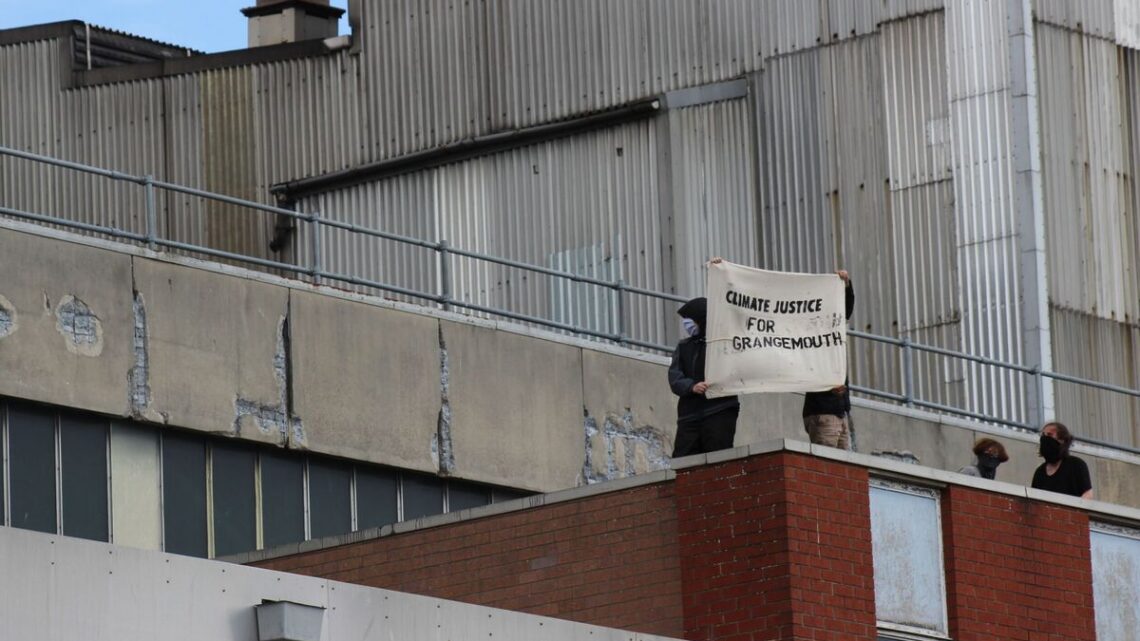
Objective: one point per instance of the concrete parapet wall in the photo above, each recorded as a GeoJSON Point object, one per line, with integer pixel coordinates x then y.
{"type": "Point", "coordinates": [117, 330]}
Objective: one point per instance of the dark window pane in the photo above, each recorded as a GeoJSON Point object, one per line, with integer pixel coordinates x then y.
{"type": "Point", "coordinates": [235, 527]}
{"type": "Point", "coordinates": [31, 462]}
{"type": "Point", "coordinates": [330, 502]}
{"type": "Point", "coordinates": [184, 494]}
{"type": "Point", "coordinates": [423, 496]}
{"type": "Point", "coordinates": [375, 498]}
{"type": "Point", "coordinates": [83, 468]}
{"type": "Point", "coordinates": [461, 496]}
{"type": "Point", "coordinates": [500, 495]}
{"type": "Point", "coordinates": [282, 499]}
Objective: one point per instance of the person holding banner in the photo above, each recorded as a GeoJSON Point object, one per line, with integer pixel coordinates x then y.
{"type": "Point", "coordinates": [827, 414]}
{"type": "Point", "coordinates": [703, 424]}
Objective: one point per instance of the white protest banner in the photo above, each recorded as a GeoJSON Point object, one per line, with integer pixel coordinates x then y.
{"type": "Point", "coordinates": [773, 331]}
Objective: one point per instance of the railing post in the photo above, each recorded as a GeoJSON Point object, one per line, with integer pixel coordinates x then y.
{"type": "Point", "coordinates": [908, 372]}
{"type": "Point", "coordinates": [619, 311]}
{"type": "Point", "coordinates": [315, 264]}
{"type": "Point", "coordinates": [151, 214]}
{"type": "Point", "coordinates": [444, 274]}
{"type": "Point", "coordinates": [1039, 383]}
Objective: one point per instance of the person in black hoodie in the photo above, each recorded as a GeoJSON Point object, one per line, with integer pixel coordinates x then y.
{"type": "Point", "coordinates": [826, 414]}
{"type": "Point", "coordinates": [703, 424]}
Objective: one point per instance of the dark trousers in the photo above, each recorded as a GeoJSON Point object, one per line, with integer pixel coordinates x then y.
{"type": "Point", "coordinates": [707, 434]}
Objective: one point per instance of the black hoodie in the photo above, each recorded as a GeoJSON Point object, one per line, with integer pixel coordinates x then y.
{"type": "Point", "coordinates": [688, 369]}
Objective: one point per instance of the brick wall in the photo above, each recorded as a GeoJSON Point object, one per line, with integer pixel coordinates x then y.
{"type": "Point", "coordinates": [609, 560]}
{"type": "Point", "coordinates": [1016, 569]}
{"type": "Point", "coordinates": [775, 547]}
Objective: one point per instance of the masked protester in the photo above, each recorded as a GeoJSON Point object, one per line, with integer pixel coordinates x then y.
{"type": "Point", "coordinates": [989, 455]}
{"type": "Point", "coordinates": [1061, 472]}
{"type": "Point", "coordinates": [703, 424]}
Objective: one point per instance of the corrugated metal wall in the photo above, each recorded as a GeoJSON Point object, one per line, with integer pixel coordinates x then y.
{"type": "Point", "coordinates": [982, 164]}
{"type": "Point", "coordinates": [922, 200]}
{"type": "Point", "coordinates": [1089, 107]}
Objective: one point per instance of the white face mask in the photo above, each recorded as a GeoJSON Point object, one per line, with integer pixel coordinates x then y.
{"type": "Point", "coordinates": [690, 326]}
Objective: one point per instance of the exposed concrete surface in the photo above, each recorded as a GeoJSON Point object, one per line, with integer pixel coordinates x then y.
{"type": "Point", "coordinates": [211, 342]}
{"type": "Point", "coordinates": [9, 319]}
{"type": "Point", "coordinates": [936, 445]}
{"type": "Point", "coordinates": [366, 380]}
{"type": "Point", "coordinates": [516, 408]}
{"type": "Point", "coordinates": [52, 287]}
{"type": "Point", "coordinates": [630, 417]}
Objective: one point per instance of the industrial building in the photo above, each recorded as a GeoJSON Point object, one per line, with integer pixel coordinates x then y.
{"type": "Point", "coordinates": [339, 290]}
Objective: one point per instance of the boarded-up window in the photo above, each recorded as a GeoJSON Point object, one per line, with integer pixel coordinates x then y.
{"type": "Point", "coordinates": [1116, 581]}
{"type": "Point", "coordinates": [906, 540]}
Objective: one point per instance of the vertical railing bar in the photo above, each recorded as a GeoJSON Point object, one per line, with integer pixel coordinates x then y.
{"type": "Point", "coordinates": [444, 253]}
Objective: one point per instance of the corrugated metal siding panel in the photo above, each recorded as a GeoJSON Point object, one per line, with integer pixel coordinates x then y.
{"type": "Point", "coordinates": [922, 201]}
{"type": "Point", "coordinates": [426, 73]}
{"type": "Point", "coordinates": [895, 9]}
{"type": "Point", "coordinates": [856, 180]}
{"type": "Point", "coordinates": [797, 232]}
{"type": "Point", "coordinates": [1100, 350]}
{"type": "Point", "coordinates": [185, 217]}
{"type": "Point", "coordinates": [532, 205]}
{"type": "Point", "coordinates": [1096, 17]}
{"type": "Point", "coordinates": [987, 253]}
{"type": "Point", "coordinates": [1089, 214]}
{"type": "Point", "coordinates": [1127, 23]}
{"type": "Point", "coordinates": [714, 188]}
{"type": "Point", "coordinates": [112, 127]}
{"type": "Point", "coordinates": [228, 165]}
{"type": "Point", "coordinates": [917, 111]}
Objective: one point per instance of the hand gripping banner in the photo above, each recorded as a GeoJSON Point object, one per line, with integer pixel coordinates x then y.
{"type": "Point", "coordinates": [773, 331]}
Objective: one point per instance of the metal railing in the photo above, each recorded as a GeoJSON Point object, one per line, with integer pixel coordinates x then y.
{"type": "Point", "coordinates": [443, 297]}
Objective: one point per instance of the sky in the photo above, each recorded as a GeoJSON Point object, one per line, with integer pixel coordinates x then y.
{"type": "Point", "coordinates": [206, 25]}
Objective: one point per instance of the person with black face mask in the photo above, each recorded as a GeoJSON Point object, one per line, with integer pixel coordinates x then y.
{"type": "Point", "coordinates": [990, 454]}
{"type": "Point", "coordinates": [1061, 471]}
{"type": "Point", "coordinates": [703, 424]}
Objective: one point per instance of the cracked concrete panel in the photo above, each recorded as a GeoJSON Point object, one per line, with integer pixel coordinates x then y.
{"type": "Point", "coordinates": [516, 408]}
{"type": "Point", "coordinates": [366, 380]}
{"type": "Point", "coordinates": [630, 416]}
{"type": "Point", "coordinates": [86, 368]}
{"type": "Point", "coordinates": [212, 342]}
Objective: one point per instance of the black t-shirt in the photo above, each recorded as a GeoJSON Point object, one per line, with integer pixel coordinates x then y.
{"type": "Point", "coordinates": [1071, 478]}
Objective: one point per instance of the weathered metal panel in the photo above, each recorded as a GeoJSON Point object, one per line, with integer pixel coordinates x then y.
{"type": "Point", "coordinates": [1100, 350]}
{"type": "Point", "coordinates": [797, 232]}
{"type": "Point", "coordinates": [1095, 17]}
{"type": "Point", "coordinates": [1090, 216]}
{"type": "Point", "coordinates": [916, 106]}
{"type": "Point", "coordinates": [906, 541]}
{"type": "Point", "coordinates": [1115, 552]}
{"type": "Point", "coordinates": [987, 251]}
{"type": "Point", "coordinates": [1127, 23]}
{"type": "Point", "coordinates": [714, 189]}
{"type": "Point", "coordinates": [596, 190]}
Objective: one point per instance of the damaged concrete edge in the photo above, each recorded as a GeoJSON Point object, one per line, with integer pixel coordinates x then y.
{"type": "Point", "coordinates": [9, 319]}
{"type": "Point", "coordinates": [139, 396]}
{"type": "Point", "coordinates": [277, 418]}
{"type": "Point", "coordinates": [442, 449]}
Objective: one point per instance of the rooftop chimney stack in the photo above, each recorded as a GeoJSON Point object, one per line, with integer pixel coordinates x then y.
{"type": "Point", "coordinates": [273, 22]}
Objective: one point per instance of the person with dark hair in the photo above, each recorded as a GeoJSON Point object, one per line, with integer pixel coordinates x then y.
{"type": "Point", "coordinates": [989, 455]}
{"type": "Point", "coordinates": [827, 414]}
{"type": "Point", "coordinates": [1061, 472]}
{"type": "Point", "coordinates": [703, 424]}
